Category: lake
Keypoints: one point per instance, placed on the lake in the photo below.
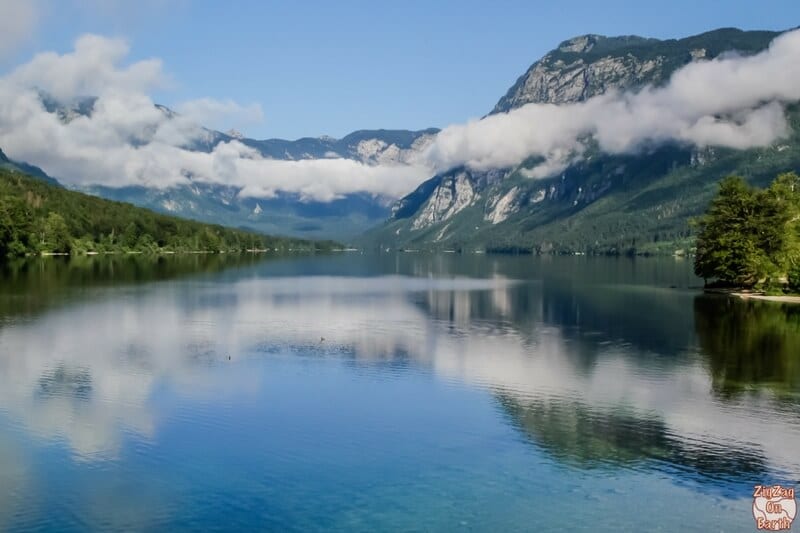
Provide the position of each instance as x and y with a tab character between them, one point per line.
389	392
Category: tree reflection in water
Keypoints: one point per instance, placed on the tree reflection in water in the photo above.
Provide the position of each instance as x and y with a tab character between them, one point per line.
749	344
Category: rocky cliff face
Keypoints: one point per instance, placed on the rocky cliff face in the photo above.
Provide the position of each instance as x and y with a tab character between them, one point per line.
568	74
589	65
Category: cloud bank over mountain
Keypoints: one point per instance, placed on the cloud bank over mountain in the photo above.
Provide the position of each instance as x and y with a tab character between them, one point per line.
126	140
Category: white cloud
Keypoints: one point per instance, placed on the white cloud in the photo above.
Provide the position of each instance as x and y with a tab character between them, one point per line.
18	20
747	91
93	68
128	141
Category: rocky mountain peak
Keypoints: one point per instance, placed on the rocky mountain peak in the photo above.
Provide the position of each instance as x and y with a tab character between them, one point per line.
588	65
580	44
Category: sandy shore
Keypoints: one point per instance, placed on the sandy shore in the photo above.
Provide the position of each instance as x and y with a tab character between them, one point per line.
748	295
756	296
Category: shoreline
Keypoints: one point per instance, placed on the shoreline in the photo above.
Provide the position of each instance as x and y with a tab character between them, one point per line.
746	295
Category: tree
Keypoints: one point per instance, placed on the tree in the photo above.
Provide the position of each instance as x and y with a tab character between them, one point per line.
130	236
793	277
784	195
54	234
748	236
727	240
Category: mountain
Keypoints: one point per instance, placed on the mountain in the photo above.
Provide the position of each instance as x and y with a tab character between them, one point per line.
586	66
285	214
604	203
367	146
36	216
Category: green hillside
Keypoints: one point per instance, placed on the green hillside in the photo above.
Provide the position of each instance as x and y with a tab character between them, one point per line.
39	217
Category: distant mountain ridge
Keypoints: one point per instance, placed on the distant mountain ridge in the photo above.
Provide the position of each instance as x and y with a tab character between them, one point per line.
605	203
285	213
363	145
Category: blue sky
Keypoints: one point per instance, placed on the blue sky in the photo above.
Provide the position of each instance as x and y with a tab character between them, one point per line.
333	67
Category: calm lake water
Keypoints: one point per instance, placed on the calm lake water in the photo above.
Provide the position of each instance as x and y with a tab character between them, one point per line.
382	393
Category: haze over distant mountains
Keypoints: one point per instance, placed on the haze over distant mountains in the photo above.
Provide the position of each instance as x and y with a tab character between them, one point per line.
604	144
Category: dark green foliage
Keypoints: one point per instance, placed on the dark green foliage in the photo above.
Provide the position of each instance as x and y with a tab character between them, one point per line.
36	217
793	277
727	248
748	235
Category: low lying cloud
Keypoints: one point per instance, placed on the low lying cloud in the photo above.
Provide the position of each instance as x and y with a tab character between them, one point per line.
730	101
126	140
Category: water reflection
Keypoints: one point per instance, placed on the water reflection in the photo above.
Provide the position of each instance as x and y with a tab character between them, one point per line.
593	372
749	343
66	382
596	438
29	286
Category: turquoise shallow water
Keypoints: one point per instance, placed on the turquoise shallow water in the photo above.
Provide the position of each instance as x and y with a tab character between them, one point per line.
407	392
